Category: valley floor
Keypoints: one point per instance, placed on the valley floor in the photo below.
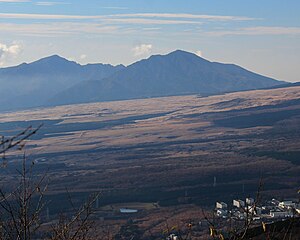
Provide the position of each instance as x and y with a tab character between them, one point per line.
168	151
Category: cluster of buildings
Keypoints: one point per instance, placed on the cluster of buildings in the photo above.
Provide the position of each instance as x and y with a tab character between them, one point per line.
274	209
172	237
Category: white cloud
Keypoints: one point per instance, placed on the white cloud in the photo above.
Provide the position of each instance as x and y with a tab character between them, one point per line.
14	1
141	16
45	16
147	21
83	56
187	16
258	30
116	8
56	29
8	51
142	50
154	19
50	3
109	19
199	53
121	23
151	28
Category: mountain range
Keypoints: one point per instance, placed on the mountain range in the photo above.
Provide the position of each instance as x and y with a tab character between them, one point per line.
56	81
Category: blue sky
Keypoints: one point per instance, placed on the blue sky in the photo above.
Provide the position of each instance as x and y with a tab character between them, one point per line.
260	35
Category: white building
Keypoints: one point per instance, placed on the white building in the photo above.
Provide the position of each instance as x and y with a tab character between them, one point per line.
287	204
249	201
253	209
275	202
172	237
280	214
239	215
221	205
238	203
258	210
126	210
298	208
222	213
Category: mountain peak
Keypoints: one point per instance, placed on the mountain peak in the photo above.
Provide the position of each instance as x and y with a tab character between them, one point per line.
184	54
54	56
177	55
53	59
180	52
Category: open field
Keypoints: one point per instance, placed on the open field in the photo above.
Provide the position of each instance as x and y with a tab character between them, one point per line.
165	150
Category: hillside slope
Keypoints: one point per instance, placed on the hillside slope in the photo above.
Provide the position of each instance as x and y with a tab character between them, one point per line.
178	73
30	85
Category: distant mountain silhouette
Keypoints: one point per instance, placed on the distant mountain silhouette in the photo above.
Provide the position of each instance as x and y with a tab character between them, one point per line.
56	81
31	85
177	73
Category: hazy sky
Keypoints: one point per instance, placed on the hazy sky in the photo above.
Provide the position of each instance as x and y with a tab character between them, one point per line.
260	35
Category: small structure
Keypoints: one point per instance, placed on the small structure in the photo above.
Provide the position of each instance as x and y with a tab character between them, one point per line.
215	181
280	214
239	215
222	213
249	201
221	205
250	209
258	210
297	208
275	202
172	237
128	211
287	204
238	203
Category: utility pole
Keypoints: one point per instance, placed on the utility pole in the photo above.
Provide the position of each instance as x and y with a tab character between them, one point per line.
215	182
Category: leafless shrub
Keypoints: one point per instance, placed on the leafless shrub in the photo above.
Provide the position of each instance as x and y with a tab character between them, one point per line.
78	226
16	141
21	208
